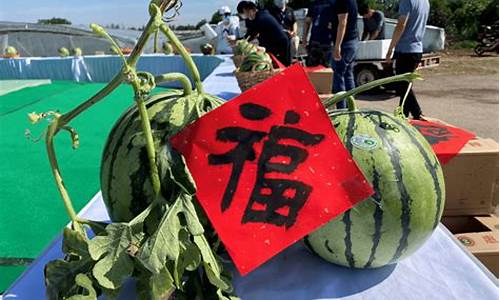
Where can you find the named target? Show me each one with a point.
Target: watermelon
(125, 181)
(409, 193)
(257, 61)
(63, 52)
(10, 50)
(77, 52)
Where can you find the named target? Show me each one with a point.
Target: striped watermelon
(125, 181)
(409, 198)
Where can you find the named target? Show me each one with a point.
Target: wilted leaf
(189, 258)
(192, 220)
(114, 264)
(155, 286)
(164, 243)
(180, 173)
(211, 265)
(60, 276)
(74, 243)
(84, 281)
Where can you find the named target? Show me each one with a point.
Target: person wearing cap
(286, 17)
(267, 30)
(227, 31)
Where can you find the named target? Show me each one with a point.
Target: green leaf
(114, 264)
(189, 259)
(84, 281)
(60, 275)
(223, 297)
(155, 286)
(74, 243)
(212, 267)
(99, 228)
(193, 223)
(164, 243)
(179, 173)
(180, 112)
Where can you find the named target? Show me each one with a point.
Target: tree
(54, 20)
(201, 23)
(216, 18)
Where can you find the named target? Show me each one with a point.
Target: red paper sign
(269, 168)
(446, 141)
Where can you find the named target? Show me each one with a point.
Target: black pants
(405, 63)
(281, 51)
(318, 54)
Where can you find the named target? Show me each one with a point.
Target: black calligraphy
(434, 134)
(274, 201)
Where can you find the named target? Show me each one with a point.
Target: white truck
(371, 54)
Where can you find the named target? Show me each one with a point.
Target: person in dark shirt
(373, 23)
(319, 20)
(286, 17)
(267, 30)
(346, 37)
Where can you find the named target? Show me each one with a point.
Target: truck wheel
(479, 50)
(365, 74)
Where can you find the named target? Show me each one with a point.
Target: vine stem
(51, 132)
(186, 84)
(185, 55)
(146, 128)
(366, 87)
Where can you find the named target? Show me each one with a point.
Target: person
(267, 30)
(286, 17)
(346, 37)
(319, 21)
(407, 47)
(227, 31)
(373, 23)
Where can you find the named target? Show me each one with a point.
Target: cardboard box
(322, 80)
(479, 235)
(471, 179)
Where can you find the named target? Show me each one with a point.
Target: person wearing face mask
(268, 31)
(286, 17)
(227, 31)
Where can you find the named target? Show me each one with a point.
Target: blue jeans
(343, 70)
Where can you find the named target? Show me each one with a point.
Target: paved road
(467, 101)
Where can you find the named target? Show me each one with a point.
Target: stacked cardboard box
(471, 179)
(322, 79)
(479, 235)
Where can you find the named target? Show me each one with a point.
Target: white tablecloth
(441, 269)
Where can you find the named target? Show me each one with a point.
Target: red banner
(446, 141)
(269, 168)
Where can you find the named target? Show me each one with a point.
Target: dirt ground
(462, 90)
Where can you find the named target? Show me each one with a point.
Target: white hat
(224, 10)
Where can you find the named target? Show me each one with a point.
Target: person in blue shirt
(346, 39)
(406, 47)
(268, 31)
(319, 21)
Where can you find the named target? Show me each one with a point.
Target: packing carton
(322, 80)
(471, 179)
(479, 235)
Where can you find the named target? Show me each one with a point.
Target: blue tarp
(99, 68)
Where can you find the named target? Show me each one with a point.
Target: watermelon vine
(165, 248)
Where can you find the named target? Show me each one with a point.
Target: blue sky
(125, 12)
